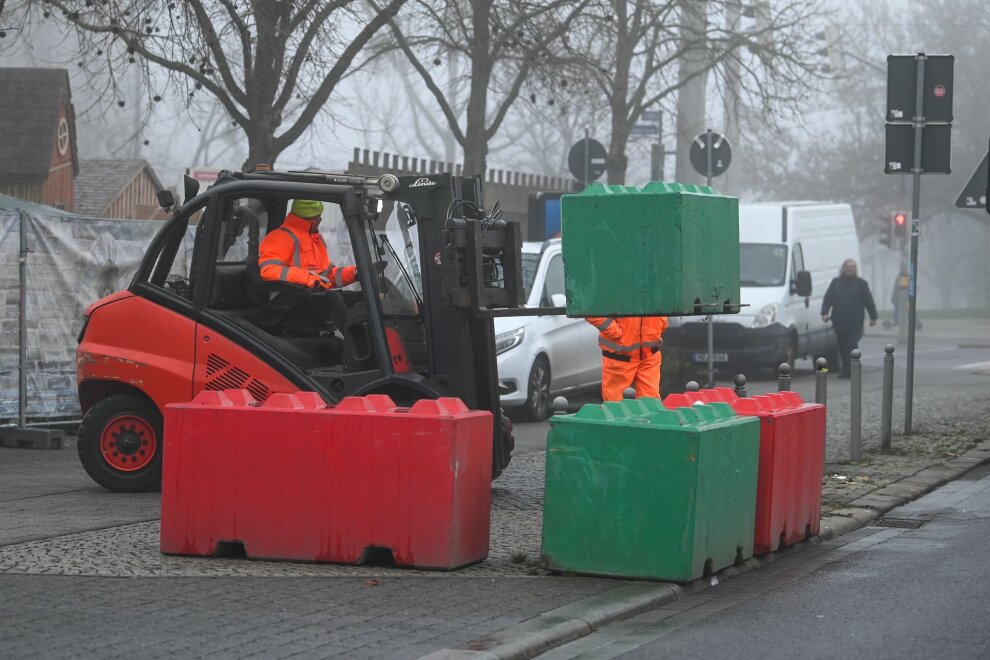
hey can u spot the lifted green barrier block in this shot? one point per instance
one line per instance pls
(665, 248)
(636, 490)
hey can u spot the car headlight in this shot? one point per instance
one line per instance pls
(508, 340)
(766, 316)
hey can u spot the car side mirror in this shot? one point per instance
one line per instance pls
(558, 300)
(802, 284)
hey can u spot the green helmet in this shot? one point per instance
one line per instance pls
(307, 208)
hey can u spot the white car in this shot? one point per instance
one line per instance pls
(540, 357)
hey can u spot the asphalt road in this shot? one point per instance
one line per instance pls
(881, 592)
(948, 354)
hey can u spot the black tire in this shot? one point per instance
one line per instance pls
(537, 406)
(790, 353)
(137, 439)
(501, 460)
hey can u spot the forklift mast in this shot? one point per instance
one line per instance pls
(470, 264)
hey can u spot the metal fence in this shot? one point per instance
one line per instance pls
(53, 268)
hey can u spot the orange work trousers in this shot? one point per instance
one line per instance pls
(643, 374)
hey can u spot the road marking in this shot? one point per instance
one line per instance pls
(974, 366)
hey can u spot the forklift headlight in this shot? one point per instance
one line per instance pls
(508, 340)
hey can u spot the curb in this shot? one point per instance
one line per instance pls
(580, 618)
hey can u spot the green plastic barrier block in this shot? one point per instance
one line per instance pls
(665, 248)
(636, 490)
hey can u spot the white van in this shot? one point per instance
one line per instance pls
(789, 252)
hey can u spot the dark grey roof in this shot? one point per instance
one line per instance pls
(101, 181)
(29, 105)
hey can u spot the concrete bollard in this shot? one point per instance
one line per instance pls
(784, 377)
(629, 393)
(692, 386)
(856, 406)
(740, 382)
(821, 380)
(887, 407)
(560, 405)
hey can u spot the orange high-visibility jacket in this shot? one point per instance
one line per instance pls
(629, 338)
(295, 252)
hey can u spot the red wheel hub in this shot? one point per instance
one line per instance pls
(128, 443)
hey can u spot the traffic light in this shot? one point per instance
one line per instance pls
(886, 232)
(899, 223)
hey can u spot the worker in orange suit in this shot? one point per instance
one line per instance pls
(295, 252)
(630, 354)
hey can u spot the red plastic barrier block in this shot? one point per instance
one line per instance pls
(792, 457)
(294, 479)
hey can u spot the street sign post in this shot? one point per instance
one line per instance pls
(919, 105)
(902, 88)
(974, 194)
(644, 129)
(710, 155)
(586, 160)
(715, 146)
(935, 149)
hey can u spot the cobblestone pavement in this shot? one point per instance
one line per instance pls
(948, 426)
(132, 549)
(945, 425)
(72, 617)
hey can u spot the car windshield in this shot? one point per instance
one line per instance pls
(762, 264)
(530, 264)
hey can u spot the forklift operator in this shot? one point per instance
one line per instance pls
(295, 252)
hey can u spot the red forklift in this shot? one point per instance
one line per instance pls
(434, 268)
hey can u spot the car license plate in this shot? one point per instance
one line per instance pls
(716, 357)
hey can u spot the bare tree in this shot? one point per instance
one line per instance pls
(270, 64)
(553, 112)
(503, 40)
(633, 49)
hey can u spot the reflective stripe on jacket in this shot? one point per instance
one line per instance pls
(296, 253)
(629, 338)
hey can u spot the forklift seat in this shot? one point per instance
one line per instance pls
(232, 287)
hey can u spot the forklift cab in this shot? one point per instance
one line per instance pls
(429, 263)
(380, 330)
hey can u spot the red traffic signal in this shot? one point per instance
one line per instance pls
(899, 223)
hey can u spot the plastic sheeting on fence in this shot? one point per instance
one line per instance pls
(71, 262)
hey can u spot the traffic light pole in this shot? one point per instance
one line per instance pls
(916, 171)
(711, 322)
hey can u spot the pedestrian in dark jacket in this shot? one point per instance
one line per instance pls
(844, 302)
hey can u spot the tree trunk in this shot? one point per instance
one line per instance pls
(261, 149)
(733, 109)
(475, 135)
(691, 97)
(616, 161)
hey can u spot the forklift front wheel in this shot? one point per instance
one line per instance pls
(120, 443)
